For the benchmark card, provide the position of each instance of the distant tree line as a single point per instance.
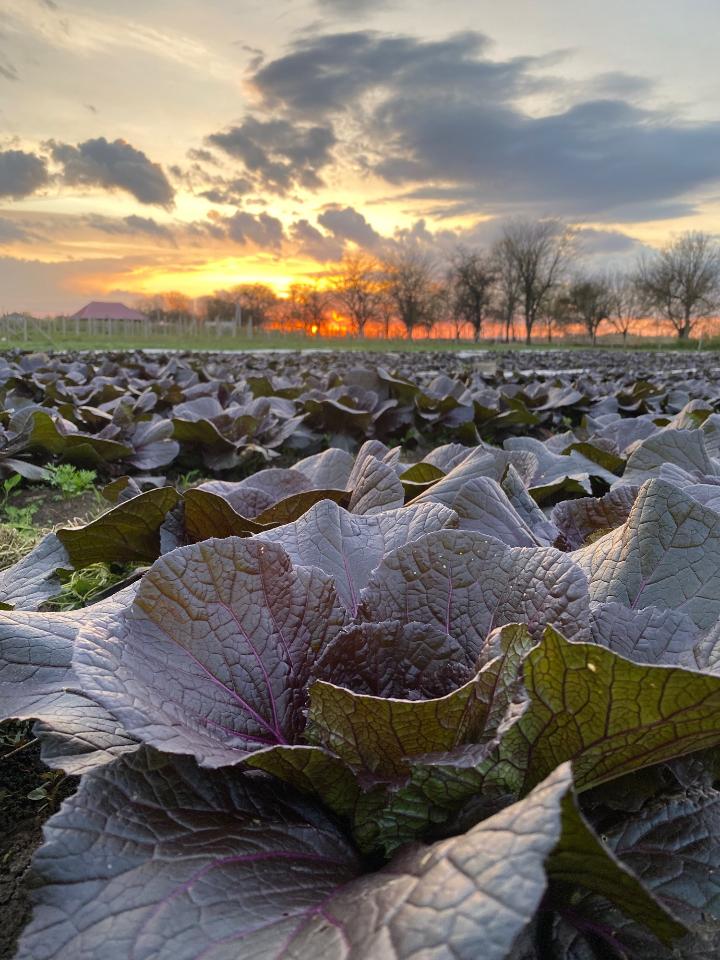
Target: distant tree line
(529, 280)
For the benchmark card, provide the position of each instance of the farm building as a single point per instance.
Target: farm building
(98, 310)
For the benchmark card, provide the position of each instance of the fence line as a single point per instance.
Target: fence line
(18, 328)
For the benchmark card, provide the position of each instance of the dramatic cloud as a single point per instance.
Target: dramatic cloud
(347, 224)
(131, 226)
(113, 166)
(312, 243)
(261, 231)
(21, 173)
(449, 126)
(596, 158)
(279, 154)
(228, 191)
(330, 73)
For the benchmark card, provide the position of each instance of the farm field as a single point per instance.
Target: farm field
(360, 654)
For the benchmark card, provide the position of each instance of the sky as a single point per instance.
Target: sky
(190, 145)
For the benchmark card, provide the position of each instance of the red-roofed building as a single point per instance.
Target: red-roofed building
(97, 310)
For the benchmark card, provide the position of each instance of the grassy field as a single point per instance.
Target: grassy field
(38, 341)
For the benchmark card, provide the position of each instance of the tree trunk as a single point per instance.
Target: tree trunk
(529, 324)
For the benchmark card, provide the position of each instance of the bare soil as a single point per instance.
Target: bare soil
(54, 510)
(21, 820)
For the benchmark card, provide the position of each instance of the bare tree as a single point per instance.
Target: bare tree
(471, 286)
(681, 283)
(257, 301)
(554, 312)
(508, 288)
(589, 302)
(177, 305)
(410, 285)
(307, 305)
(625, 302)
(539, 251)
(358, 290)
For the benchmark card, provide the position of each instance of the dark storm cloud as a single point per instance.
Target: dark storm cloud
(279, 154)
(448, 125)
(346, 223)
(115, 165)
(21, 173)
(262, 230)
(313, 243)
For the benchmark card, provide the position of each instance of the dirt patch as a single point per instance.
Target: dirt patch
(53, 510)
(15, 907)
(22, 773)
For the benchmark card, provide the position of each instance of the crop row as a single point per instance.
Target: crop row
(432, 699)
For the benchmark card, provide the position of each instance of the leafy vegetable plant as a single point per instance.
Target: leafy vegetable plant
(366, 708)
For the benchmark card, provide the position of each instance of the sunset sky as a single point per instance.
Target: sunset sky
(152, 145)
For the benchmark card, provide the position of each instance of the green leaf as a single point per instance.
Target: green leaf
(587, 705)
(128, 533)
(378, 735)
(604, 458)
(313, 771)
(209, 514)
(420, 477)
(608, 715)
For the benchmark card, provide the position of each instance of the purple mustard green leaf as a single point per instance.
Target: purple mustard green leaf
(350, 546)
(213, 656)
(27, 584)
(416, 661)
(468, 586)
(590, 517)
(37, 681)
(666, 554)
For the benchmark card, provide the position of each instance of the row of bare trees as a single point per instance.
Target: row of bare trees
(530, 276)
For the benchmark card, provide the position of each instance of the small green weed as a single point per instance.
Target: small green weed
(8, 485)
(83, 586)
(70, 480)
(21, 517)
(190, 479)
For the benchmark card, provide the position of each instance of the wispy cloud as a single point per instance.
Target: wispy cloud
(86, 33)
